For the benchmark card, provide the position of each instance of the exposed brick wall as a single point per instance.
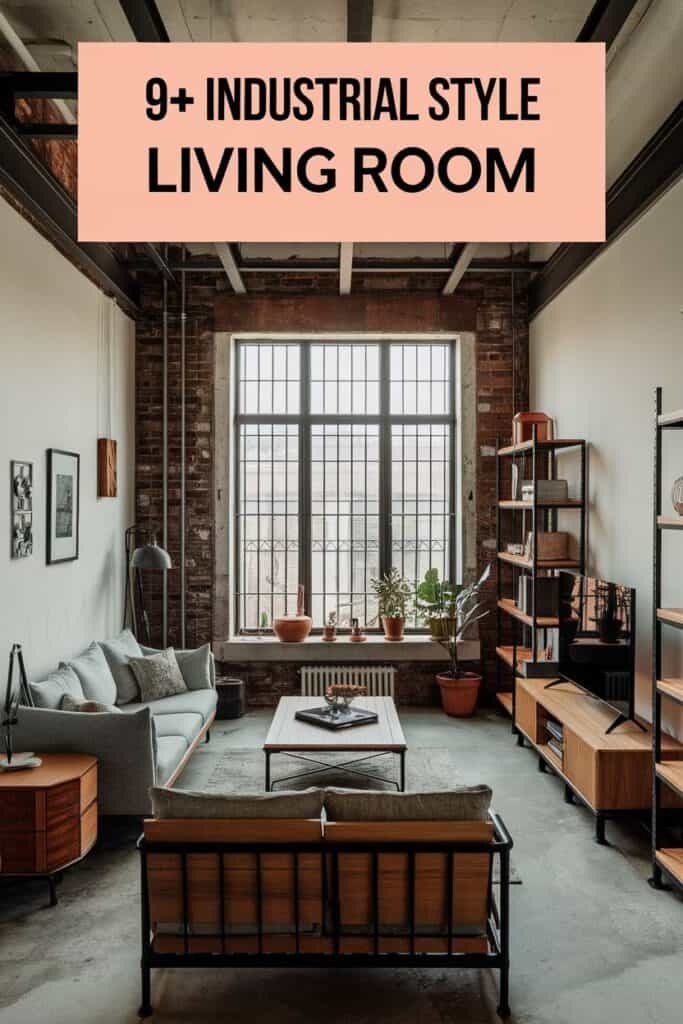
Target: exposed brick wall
(310, 302)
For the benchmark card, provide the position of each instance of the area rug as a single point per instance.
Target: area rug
(242, 770)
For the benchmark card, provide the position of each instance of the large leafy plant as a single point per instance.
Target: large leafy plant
(393, 592)
(435, 598)
(466, 610)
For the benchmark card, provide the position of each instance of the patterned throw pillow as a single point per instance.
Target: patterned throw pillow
(70, 703)
(158, 675)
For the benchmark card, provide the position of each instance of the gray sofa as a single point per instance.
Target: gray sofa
(138, 745)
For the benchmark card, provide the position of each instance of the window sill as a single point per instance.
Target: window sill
(375, 649)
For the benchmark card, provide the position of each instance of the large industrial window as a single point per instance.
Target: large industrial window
(345, 468)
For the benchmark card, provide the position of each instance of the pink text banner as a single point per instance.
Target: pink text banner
(296, 142)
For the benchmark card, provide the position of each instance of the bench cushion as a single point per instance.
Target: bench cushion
(463, 803)
(178, 803)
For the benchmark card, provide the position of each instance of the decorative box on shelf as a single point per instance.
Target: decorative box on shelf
(552, 546)
(546, 490)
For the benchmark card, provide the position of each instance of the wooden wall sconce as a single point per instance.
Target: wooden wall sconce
(106, 468)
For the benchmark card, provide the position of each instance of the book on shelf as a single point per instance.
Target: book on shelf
(555, 729)
(557, 748)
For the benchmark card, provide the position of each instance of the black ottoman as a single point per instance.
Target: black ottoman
(231, 700)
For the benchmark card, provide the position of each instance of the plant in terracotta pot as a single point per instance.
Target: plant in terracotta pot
(293, 629)
(434, 600)
(460, 690)
(394, 593)
(330, 627)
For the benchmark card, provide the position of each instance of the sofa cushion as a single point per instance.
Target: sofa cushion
(197, 666)
(179, 803)
(117, 652)
(169, 752)
(158, 675)
(188, 725)
(202, 702)
(70, 703)
(94, 674)
(49, 692)
(463, 803)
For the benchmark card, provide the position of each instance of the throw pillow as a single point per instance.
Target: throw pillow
(158, 675)
(178, 803)
(49, 693)
(463, 803)
(117, 652)
(95, 676)
(70, 703)
(195, 666)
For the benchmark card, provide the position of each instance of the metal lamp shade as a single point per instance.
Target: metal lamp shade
(151, 556)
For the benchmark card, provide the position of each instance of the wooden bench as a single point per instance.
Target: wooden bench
(219, 893)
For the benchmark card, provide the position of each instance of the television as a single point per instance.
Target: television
(597, 641)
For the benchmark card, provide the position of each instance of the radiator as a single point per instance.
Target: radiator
(379, 679)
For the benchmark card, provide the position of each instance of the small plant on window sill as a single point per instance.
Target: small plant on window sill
(330, 627)
(394, 594)
(460, 690)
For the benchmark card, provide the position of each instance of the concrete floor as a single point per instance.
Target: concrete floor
(591, 942)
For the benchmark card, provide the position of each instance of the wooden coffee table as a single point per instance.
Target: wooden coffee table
(288, 735)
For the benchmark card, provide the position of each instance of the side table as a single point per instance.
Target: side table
(48, 817)
(231, 697)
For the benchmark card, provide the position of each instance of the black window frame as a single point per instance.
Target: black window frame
(304, 420)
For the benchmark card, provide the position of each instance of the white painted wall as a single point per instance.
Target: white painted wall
(54, 395)
(597, 353)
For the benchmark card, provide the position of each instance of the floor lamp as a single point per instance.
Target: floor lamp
(138, 560)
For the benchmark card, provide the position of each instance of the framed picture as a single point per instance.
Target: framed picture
(21, 509)
(63, 505)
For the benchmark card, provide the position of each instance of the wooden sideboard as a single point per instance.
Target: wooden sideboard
(611, 773)
(48, 817)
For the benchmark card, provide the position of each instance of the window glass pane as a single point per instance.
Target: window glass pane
(268, 521)
(269, 379)
(344, 379)
(344, 520)
(419, 499)
(419, 379)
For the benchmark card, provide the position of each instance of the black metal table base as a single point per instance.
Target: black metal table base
(344, 766)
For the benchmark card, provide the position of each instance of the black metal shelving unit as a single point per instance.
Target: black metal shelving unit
(667, 861)
(534, 516)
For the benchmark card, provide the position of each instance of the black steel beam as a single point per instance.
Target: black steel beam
(209, 265)
(658, 165)
(359, 21)
(36, 191)
(40, 85)
(46, 130)
(145, 21)
(605, 21)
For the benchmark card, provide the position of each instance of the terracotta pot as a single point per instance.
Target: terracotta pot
(292, 629)
(459, 696)
(329, 633)
(393, 627)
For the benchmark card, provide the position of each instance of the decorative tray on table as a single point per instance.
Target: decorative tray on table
(337, 717)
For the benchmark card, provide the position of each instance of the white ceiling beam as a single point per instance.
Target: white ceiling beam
(461, 264)
(225, 255)
(345, 267)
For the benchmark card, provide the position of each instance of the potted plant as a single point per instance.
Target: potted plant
(460, 690)
(330, 627)
(394, 594)
(434, 603)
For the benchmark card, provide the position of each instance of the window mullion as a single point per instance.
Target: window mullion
(452, 467)
(384, 458)
(305, 509)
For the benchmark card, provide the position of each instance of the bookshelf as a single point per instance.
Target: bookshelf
(667, 860)
(532, 461)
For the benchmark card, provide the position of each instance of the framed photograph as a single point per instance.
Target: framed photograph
(63, 505)
(21, 509)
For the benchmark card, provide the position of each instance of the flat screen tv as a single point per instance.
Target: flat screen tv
(597, 641)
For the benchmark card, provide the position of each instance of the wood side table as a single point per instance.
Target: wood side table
(48, 817)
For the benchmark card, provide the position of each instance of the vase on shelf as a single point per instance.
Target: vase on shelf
(677, 495)
(293, 629)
